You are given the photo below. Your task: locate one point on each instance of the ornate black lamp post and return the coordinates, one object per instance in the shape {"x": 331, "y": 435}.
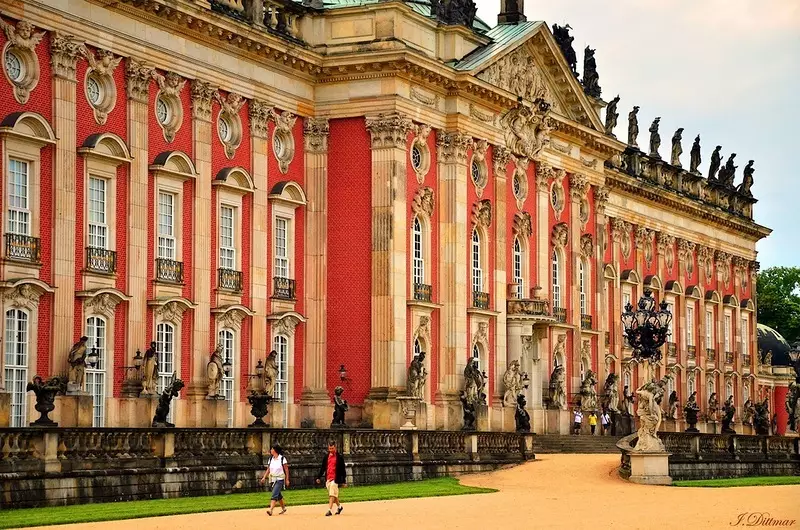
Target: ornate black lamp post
{"x": 646, "y": 328}
{"x": 92, "y": 358}
{"x": 226, "y": 367}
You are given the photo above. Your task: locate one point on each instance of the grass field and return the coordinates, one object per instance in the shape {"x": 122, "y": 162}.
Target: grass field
{"x": 115, "y": 511}
{"x": 734, "y": 482}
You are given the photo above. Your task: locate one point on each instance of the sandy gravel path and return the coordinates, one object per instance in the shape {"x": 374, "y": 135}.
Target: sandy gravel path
{"x": 556, "y": 491}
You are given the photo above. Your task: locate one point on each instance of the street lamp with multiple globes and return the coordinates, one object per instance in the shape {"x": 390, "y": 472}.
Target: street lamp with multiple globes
{"x": 647, "y": 328}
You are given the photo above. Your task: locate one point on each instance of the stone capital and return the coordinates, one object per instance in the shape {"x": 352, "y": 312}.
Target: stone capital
{"x": 137, "y": 78}
{"x": 260, "y": 113}
{"x": 544, "y": 172}
{"x": 315, "y": 135}
{"x": 64, "y": 52}
{"x": 389, "y": 130}
{"x": 453, "y": 146}
{"x": 202, "y": 95}
{"x": 578, "y": 184}
{"x": 601, "y": 198}
{"x": 501, "y": 157}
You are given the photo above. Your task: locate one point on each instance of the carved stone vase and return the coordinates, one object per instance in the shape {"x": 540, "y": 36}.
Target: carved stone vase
{"x": 259, "y": 408}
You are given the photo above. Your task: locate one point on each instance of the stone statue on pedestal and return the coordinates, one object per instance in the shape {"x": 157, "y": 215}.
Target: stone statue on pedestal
{"x": 690, "y": 411}
{"x": 77, "y": 366}
{"x": 694, "y": 157}
{"x": 747, "y": 180}
{"x": 339, "y": 408}
{"x": 513, "y": 382}
{"x": 214, "y": 372}
{"x": 150, "y": 371}
{"x": 588, "y": 392}
{"x": 591, "y": 79}
{"x": 270, "y": 373}
{"x": 521, "y": 416}
{"x": 417, "y": 376}
{"x": 612, "y": 393}
{"x": 469, "y": 413}
{"x": 655, "y": 138}
{"x": 649, "y": 413}
{"x": 713, "y": 404}
{"x": 633, "y": 127}
{"x": 761, "y": 417}
{"x": 673, "y": 405}
{"x": 627, "y": 401}
{"x": 793, "y": 406}
{"x": 564, "y": 41}
{"x": 162, "y": 410}
{"x": 728, "y": 410}
{"x": 45, "y": 392}
{"x": 558, "y": 389}
{"x": 677, "y": 149}
{"x": 612, "y": 116}
{"x": 748, "y": 411}
{"x": 716, "y": 161}
{"x": 474, "y": 383}
{"x": 728, "y": 172}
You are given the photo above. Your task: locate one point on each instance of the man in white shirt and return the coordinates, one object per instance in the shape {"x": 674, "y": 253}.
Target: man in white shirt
{"x": 578, "y": 421}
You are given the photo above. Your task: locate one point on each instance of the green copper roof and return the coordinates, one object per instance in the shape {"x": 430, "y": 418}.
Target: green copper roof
{"x": 502, "y": 37}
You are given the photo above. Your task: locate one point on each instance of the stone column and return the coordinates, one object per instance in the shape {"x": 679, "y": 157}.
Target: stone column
{"x": 618, "y": 230}
{"x": 503, "y": 354}
{"x": 260, "y": 279}
{"x": 315, "y": 401}
{"x": 389, "y": 263}
{"x": 578, "y": 184}
{"x": 542, "y": 229}
{"x": 601, "y": 307}
{"x": 202, "y": 96}
{"x": 138, "y": 77}
{"x": 452, "y": 170}
{"x": 64, "y": 51}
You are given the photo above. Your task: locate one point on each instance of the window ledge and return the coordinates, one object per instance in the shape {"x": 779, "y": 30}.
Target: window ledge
{"x": 420, "y": 303}
{"x": 21, "y": 262}
{"x": 92, "y": 272}
{"x": 483, "y": 312}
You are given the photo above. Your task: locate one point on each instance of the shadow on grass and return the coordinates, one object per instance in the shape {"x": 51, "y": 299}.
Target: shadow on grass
{"x": 115, "y": 511}
{"x": 737, "y": 482}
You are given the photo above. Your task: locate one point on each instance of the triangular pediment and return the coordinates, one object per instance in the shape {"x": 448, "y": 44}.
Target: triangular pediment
{"x": 526, "y": 61}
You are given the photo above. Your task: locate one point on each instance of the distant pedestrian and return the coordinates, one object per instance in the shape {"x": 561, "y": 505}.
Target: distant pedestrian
{"x": 576, "y": 426}
{"x": 605, "y": 422}
{"x": 278, "y": 473}
{"x": 332, "y": 469}
{"x": 593, "y": 421}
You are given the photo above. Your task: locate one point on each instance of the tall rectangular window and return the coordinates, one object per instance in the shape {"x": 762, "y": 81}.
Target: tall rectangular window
{"x": 689, "y": 325}
{"x": 281, "y": 346}
{"x": 19, "y": 214}
{"x": 98, "y": 230}
{"x": 709, "y": 330}
{"x": 226, "y": 338}
{"x": 477, "y": 272}
{"x": 165, "y": 348}
{"x": 16, "y": 364}
{"x": 556, "y": 280}
{"x": 743, "y": 337}
{"x": 419, "y": 262}
{"x": 166, "y": 225}
{"x": 227, "y": 240}
{"x": 281, "y": 247}
{"x": 582, "y": 287}
{"x": 518, "y": 269}
{"x": 96, "y": 376}
{"x": 671, "y": 309}
{"x": 727, "y": 333}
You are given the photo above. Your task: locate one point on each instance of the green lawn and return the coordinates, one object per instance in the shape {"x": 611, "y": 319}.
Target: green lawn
{"x": 114, "y": 511}
{"x": 733, "y": 482}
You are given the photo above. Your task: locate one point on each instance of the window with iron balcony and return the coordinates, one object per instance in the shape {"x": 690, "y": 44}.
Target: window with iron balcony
{"x": 586, "y": 321}
{"x": 480, "y": 300}
{"x": 691, "y": 352}
{"x": 710, "y": 354}
{"x": 20, "y": 245}
{"x": 168, "y": 269}
{"x": 560, "y": 313}
{"x": 229, "y": 279}
{"x": 99, "y": 258}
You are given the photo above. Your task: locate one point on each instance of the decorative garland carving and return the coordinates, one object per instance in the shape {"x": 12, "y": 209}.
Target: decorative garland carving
{"x": 102, "y": 304}
{"x": 232, "y": 318}
{"x": 423, "y": 202}
{"x": 24, "y": 296}
{"x": 202, "y": 95}
{"x": 171, "y": 312}
{"x": 452, "y": 147}
{"x": 389, "y": 130}
{"x": 560, "y": 235}
{"x": 23, "y": 40}
{"x": 419, "y": 95}
{"x": 482, "y": 213}
{"x": 485, "y": 117}
{"x": 315, "y": 135}
{"x": 260, "y": 113}
{"x": 522, "y": 224}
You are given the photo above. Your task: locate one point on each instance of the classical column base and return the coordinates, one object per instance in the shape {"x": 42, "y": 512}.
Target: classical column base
{"x": 137, "y": 412}
{"x": 316, "y": 409}
{"x": 5, "y": 409}
{"x": 650, "y": 468}
{"x": 448, "y": 412}
{"x": 76, "y": 410}
{"x": 557, "y": 421}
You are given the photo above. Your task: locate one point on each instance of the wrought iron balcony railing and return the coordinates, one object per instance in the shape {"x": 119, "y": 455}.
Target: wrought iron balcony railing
{"x": 422, "y": 292}
{"x": 23, "y": 248}
{"x": 283, "y": 288}
{"x": 535, "y": 307}
{"x": 672, "y": 349}
{"x": 169, "y": 270}
{"x": 230, "y": 280}
{"x": 691, "y": 352}
{"x": 586, "y": 321}
{"x": 729, "y": 357}
{"x": 608, "y": 339}
{"x": 710, "y": 354}
{"x": 101, "y": 260}
{"x": 480, "y": 300}
{"x": 746, "y": 359}
{"x": 560, "y": 313}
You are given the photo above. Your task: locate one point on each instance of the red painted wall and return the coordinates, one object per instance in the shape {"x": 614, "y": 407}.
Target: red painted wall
{"x": 349, "y": 257}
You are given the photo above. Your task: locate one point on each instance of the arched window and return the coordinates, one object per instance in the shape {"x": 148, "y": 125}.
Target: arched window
{"x": 477, "y": 272}
{"x": 281, "y": 346}
{"x": 417, "y": 347}
{"x": 670, "y": 387}
{"x": 518, "y": 268}
{"x": 728, "y": 390}
{"x": 96, "y": 377}
{"x": 556, "y": 279}
{"x": 226, "y": 339}
{"x": 16, "y": 364}
{"x": 690, "y": 385}
{"x": 582, "y": 284}
{"x": 476, "y": 354}
{"x": 419, "y": 261}
{"x": 583, "y": 369}
{"x": 626, "y": 380}
{"x": 165, "y": 346}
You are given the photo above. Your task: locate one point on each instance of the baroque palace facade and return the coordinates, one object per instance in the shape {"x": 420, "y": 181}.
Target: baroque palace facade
{"x": 348, "y": 185}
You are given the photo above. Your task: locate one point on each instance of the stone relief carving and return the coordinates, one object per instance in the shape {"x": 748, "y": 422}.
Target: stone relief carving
{"x": 557, "y": 194}
{"x": 723, "y": 263}
{"x": 479, "y": 148}
{"x": 101, "y": 68}
{"x": 686, "y": 254}
{"x": 171, "y": 312}
{"x": 425, "y": 99}
{"x": 315, "y": 135}
{"x": 202, "y": 95}
{"x": 423, "y": 331}
{"x": 481, "y": 335}
{"x": 544, "y": 172}
{"x": 231, "y": 318}
{"x": 137, "y": 77}
{"x": 478, "y": 114}
{"x": 420, "y": 142}
{"x": 423, "y": 201}
{"x": 527, "y": 131}
{"x": 24, "y": 296}
{"x": 23, "y": 40}
{"x": 578, "y": 184}
{"x": 587, "y": 246}
{"x": 260, "y": 113}
{"x": 170, "y": 86}
{"x": 482, "y": 213}
{"x": 452, "y": 147}
{"x": 283, "y": 139}
{"x": 522, "y": 224}
{"x": 389, "y": 130}
{"x": 560, "y": 235}
{"x": 517, "y": 73}
{"x": 286, "y": 325}
{"x": 644, "y": 241}
{"x": 64, "y": 52}
{"x": 102, "y": 304}
{"x": 704, "y": 260}
{"x": 501, "y": 156}
{"x": 666, "y": 244}
{"x": 230, "y": 107}
{"x": 601, "y": 199}
{"x": 520, "y": 181}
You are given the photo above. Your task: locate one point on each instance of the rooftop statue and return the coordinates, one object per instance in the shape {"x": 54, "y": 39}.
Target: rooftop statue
{"x": 564, "y": 40}
{"x": 716, "y": 161}
{"x": 694, "y": 156}
{"x": 728, "y": 172}
{"x": 655, "y": 138}
{"x": 633, "y": 127}
{"x": 453, "y": 12}
{"x": 677, "y": 149}
{"x": 591, "y": 80}
{"x": 611, "y": 116}
{"x": 747, "y": 180}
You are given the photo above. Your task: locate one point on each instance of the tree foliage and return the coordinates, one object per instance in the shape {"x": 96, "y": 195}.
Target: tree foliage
{"x": 779, "y": 301}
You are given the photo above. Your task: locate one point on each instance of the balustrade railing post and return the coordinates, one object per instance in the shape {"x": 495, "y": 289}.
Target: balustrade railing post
{"x": 735, "y": 447}
{"x": 472, "y": 446}
{"x": 266, "y": 444}
{"x": 346, "y": 443}
{"x": 414, "y": 446}
{"x": 695, "y": 443}
{"x": 50, "y": 441}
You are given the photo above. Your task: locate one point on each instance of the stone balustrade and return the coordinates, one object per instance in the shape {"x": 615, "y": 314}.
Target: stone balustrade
{"x": 40, "y": 467}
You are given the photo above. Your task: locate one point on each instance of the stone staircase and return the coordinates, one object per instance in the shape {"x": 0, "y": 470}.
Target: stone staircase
{"x": 556, "y": 443}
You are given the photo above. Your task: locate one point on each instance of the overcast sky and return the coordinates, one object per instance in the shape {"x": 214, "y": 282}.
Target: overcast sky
{"x": 728, "y": 70}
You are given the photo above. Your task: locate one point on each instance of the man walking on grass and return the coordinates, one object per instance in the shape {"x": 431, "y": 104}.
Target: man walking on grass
{"x": 332, "y": 469}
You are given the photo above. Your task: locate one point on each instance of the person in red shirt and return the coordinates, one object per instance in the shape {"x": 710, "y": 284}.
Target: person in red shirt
{"x": 333, "y": 470}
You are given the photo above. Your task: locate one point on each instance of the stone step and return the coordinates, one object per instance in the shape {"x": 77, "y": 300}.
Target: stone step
{"x": 554, "y": 443}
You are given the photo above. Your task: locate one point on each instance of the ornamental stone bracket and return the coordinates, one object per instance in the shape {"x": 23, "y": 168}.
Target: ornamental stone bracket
{"x": 315, "y": 135}
{"x": 285, "y": 323}
{"x": 171, "y": 309}
{"x": 102, "y": 301}
{"x": 522, "y": 225}
{"x": 560, "y": 235}
{"x": 501, "y": 156}
{"x": 423, "y": 202}
{"x": 578, "y": 185}
{"x": 231, "y": 316}
{"x": 601, "y": 199}
{"x": 389, "y": 130}
{"x": 24, "y": 293}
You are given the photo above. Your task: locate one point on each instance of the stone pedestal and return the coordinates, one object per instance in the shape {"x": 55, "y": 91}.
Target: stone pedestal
{"x": 74, "y": 410}
{"x": 449, "y": 414}
{"x": 316, "y": 410}
{"x": 482, "y": 420}
{"x": 713, "y": 427}
{"x": 415, "y": 413}
{"x": 137, "y": 412}
{"x": 557, "y": 422}
{"x": 650, "y": 468}
{"x": 214, "y": 413}
{"x": 5, "y": 409}
{"x": 504, "y": 419}
{"x": 385, "y": 414}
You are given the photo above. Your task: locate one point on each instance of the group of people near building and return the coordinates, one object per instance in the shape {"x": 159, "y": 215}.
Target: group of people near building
{"x": 605, "y": 421}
